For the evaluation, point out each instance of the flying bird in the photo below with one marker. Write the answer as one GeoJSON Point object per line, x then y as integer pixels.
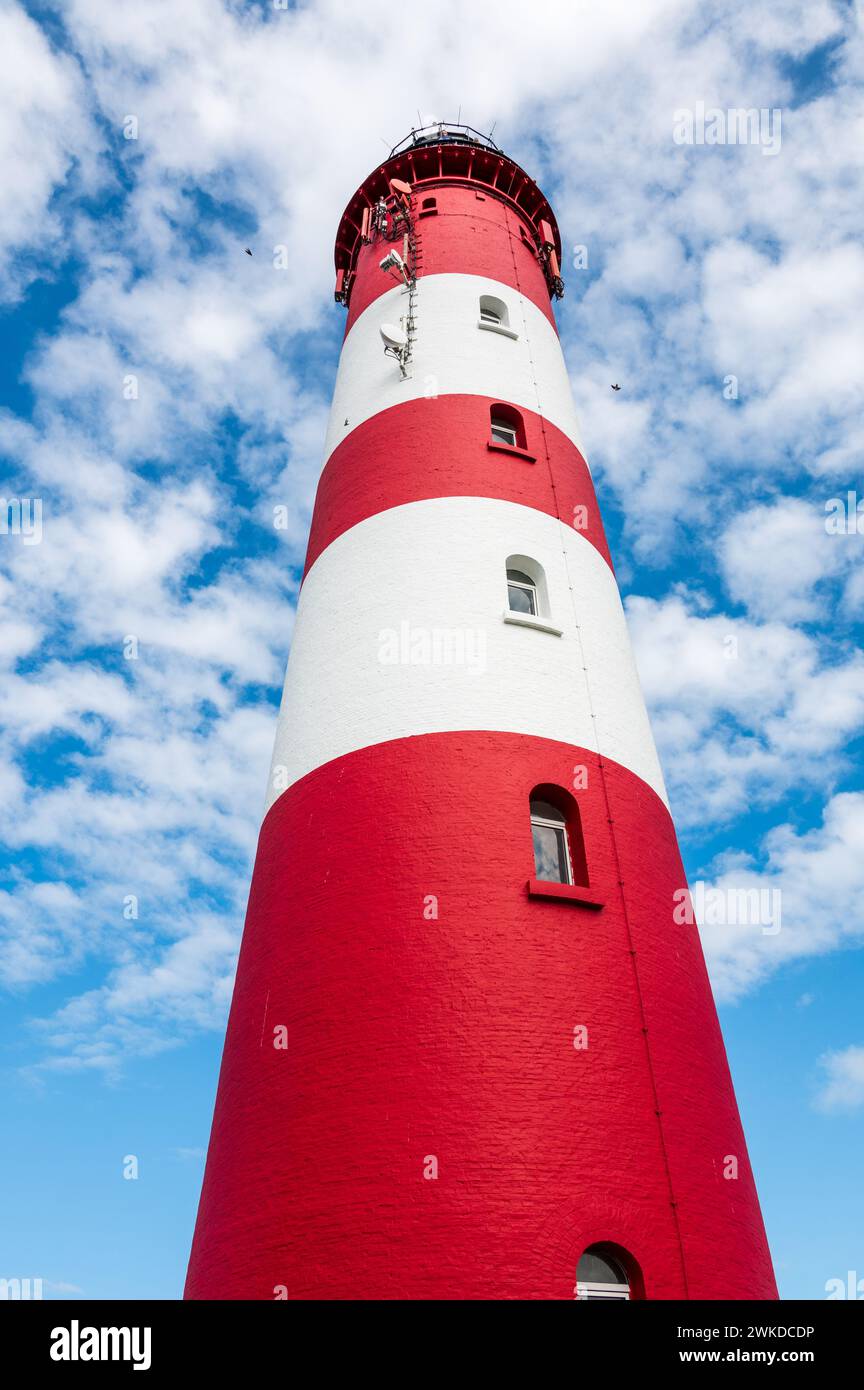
{"type": "Point", "coordinates": [616, 388]}
{"type": "Point", "coordinates": [248, 252]}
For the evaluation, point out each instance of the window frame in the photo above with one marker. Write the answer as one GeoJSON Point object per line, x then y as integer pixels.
{"type": "Point", "coordinates": [507, 419]}
{"type": "Point", "coordinates": [494, 315]}
{"type": "Point", "coordinates": [533, 572]}
{"type": "Point", "coordinates": [560, 826]}
{"type": "Point", "coordinates": [588, 1292]}
{"type": "Point", "coordinates": [630, 1288]}
{"type": "Point", "coordinates": [580, 889]}
{"type": "Point", "coordinates": [494, 310]}
{"type": "Point", "coordinates": [528, 586]}
{"type": "Point", "coordinates": [503, 428]}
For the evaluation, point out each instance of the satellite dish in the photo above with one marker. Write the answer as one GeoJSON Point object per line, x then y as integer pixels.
{"type": "Point", "coordinates": [393, 337]}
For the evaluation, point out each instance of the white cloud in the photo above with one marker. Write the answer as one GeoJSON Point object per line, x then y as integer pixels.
{"type": "Point", "coordinates": [47, 139]}
{"type": "Point", "coordinates": [820, 878]}
{"type": "Point", "coordinates": [776, 558]}
{"type": "Point", "coordinates": [742, 711]}
{"type": "Point", "coordinates": [789, 329]}
{"type": "Point", "coordinates": [40, 927]}
{"type": "Point", "coordinates": [843, 1085]}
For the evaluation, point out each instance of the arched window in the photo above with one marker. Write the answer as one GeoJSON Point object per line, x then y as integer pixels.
{"type": "Point", "coordinates": [551, 848]}
{"type": "Point", "coordinates": [602, 1274]}
{"type": "Point", "coordinates": [494, 311]}
{"type": "Point", "coordinates": [495, 316]}
{"type": "Point", "coordinates": [521, 593]}
{"type": "Point", "coordinates": [428, 207]}
{"type": "Point", "coordinates": [528, 595]}
{"type": "Point", "coordinates": [556, 832]}
{"type": "Point", "coordinates": [528, 592]}
{"type": "Point", "coordinates": [507, 426]}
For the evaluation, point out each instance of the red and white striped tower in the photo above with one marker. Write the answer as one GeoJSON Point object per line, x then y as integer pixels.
{"type": "Point", "coordinates": [460, 1055]}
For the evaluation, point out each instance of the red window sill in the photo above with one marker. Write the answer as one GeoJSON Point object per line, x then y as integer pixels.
{"type": "Point", "coordinates": [564, 892]}
{"type": "Point", "coordinates": [511, 449]}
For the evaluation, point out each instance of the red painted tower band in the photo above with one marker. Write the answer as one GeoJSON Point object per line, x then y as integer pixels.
{"type": "Point", "coordinates": [471, 1053]}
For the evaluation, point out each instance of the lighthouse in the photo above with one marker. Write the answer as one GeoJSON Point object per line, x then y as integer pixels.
{"type": "Point", "coordinates": [472, 1051]}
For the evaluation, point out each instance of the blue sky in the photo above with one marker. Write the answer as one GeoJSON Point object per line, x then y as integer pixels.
{"type": "Point", "coordinates": [162, 392]}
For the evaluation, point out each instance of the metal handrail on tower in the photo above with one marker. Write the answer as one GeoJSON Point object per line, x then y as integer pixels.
{"type": "Point", "coordinates": [444, 133]}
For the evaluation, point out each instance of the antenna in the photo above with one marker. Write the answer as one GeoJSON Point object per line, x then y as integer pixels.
{"type": "Point", "coordinates": [394, 262]}
{"type": "Point", "coordinates": [396, 344]}
{"type": "Point", "coordinates": [393, 337]}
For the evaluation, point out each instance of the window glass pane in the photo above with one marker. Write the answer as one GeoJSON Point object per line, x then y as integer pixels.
{"type": "Point", "coordinates": [503, 434]}
{"type": "Point", "coordinates": [550, 858]}
{"type": "Point", "coordinates": [492, 310]}
{"type": "Point", "coordinates": [599, 1269]}
{"type": "Point", "coordinates": [521, 600]}
{"type": "Point", "coordinates": [547, 811]}
{"type": "Point", "coordinates": [519, 577]}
